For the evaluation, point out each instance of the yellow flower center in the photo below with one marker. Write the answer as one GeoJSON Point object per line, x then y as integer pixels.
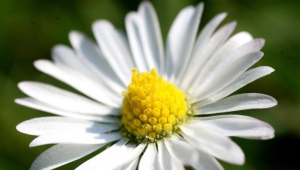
{"type": "Point", "coordinates": [152, 107]}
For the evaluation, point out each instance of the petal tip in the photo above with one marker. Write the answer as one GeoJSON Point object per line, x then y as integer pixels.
{"type": "Point", "coordinates": [41, 64]}
{"type": "Point", "coordinates": [101, 24]}
{"type": "Point", "coordinates": [19, 127]}
{"type": "Point", "coordinates": [222, 15]}
{"type": "Point", "coordinates": [56, 48]}
{"type": "Point", "coordinates": [23, 86]}
{"type": "Point", "coordinates": [269, 69]}
{"type": "Point", "coordinates": [273, 101]}
{"type": "Point", "coordinates": [75, 37]}
{"type": "Point", "coordinates": [130, 16]}
{"type": "Point", "coordinates": [144, 5]}
{"type": "Point", "coordinates": [200, 5]}
{"type": "Point", "coordinates": [34, 143]}
{"type": "Point", "coordinates": [16, 101]}
{"type": "Point", "coordinates": [262, 40]}
{"type": "Point", "coordinates": [271, 136]}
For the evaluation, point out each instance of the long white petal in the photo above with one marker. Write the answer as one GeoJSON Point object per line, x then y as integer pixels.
{"type": "Point", "coordinates": [35, 104]}
{"type": "Point", "coordinates": [75, 138]}
{"type": "Point", "coordinates": [244, 79]}
{"type": "Point", "coordinates": [66, 57]}
{"type": "Point", "coordinates": [236, 125]}
{"type": "Point", "coordinates": [145, 38]}
{"type": "Point", "coordinates": [239, 102]}
{"type": "Point", "coordinates": [113, 48]}
{"type": "Point", "coordinates": [45, 125]}
{"type": "Point", "coordinates": [181, 39]}
{"type": "Point", "coordinates": [165, 159]}
{"type": "Point", "coordinates": [213, 143]}
{"type": "Point", "coordinates": [93, 57]}
{"type": "Point", "coordinates": [62, 154]}
{"type": "Point", "coordinates": [136, 45]}
{"type": "Point", "coordinates": [149, 159]}
{"type": "Point", "coordinates": [208, 30]}
{"type": "Point", "coordinates": [203, 46]}
{"type": "Point", "coordinates": [63, 99]}
{"type": "Point", "coordinates": [83, 84]}
{"type": "Point", "coordinates": [226, 53]}
{"type": "Point", "coordinates": [220, 78]}
{"type": "Point", "coordinates": [107, 159]}
{"type": "Point", "coordinates": [237, 46]}
{"type": "Point", "coordinates": [189, 155]}
{"type": "Point", "coordinates": [202, 63]}
{"type": "Point", "coordinates": [151, 36]}
{"type": "Point", "coordinates": [254, 45]}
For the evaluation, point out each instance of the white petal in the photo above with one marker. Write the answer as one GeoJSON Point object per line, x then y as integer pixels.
{"type": "Point", "coordinates": [149, 159]}
{"type": "Point", "coordinates": [181, 39]}
{"type": "Point", "coordinates": [45, 125]}
{"type": "Point", "coordinates": [244, 79]}
{"type": "Point", "coordinates": [95, 90]}
{"type": "Point", "coordinates": [254, 45]}
{"type": "Point", "coordinates": [202, 62]}
{"type": "Point", "coordinates": [136, 45]}
{"type": "Point", "coordinates": [203, 46]}
{"type": "Point", "coordinates": [114, 157]}
{"type": "Point", "coordinates": [63, 99]}
{"type": "Point", "coordinates": [208, 30]}
{"type": "Point", "coordinates": [237, 46]}
{"type": "Point", "coordinates": [236, 125]}
{"type": "Point", "coordinates": [66, 57]}
{"type": "Point", "coordinates": [132, 165]}
{"type": "Point", "coordinates": [113, 48]}
{"type": "Point", "coordinates": [75, 138]}
{"type": "Point", "coordinates": [239, 102]}
{"type": "Point", "coordinates": [165, 159]}
{"type": "Point", "coordinates": [145, 38]}
{"type": "Point", "coordinates": [62, 154]}
{"type": "Point", "coordinates": [215, 144]}
{"type": "Point", "coordinates": [93, 57]}
{"type": "Point", "coordinates": [226, 53]}
{"type": "Point", "coordinates": [150, 36]}
{"type": "Point", "coordinates": [35, 104]}
{"type": "Point", "coordinates": [189, 155]}
{"type": "Point", "coordinates": [222, 77]}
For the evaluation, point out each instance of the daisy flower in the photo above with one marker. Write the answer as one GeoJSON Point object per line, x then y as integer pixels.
{"type": "Point", "coordinates": [146, 108]}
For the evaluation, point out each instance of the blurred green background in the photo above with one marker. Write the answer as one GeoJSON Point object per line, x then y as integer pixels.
{"type": "Point", "coordinates": [29, 29]}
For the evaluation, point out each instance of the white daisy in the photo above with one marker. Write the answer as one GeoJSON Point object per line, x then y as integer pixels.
{"type": "Point", "coordinates": [149, 109]}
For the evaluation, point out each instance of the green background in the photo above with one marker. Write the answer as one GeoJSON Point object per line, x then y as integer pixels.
{"type": "Point", "coordinates": [30, 28]}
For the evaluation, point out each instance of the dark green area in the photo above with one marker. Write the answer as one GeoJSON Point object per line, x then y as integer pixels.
{"type": "Point", "coordinates": [29, 29]}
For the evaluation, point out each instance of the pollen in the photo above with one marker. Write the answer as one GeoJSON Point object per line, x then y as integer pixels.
{"type": "Point", "coordinates": [152, 107]}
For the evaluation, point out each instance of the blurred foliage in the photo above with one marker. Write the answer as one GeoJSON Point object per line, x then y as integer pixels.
{"type": "Point", "coordinates": [29, 29]}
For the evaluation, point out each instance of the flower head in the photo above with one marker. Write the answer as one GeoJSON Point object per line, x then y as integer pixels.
{"type": "Point", "coordinates": [147, 108]}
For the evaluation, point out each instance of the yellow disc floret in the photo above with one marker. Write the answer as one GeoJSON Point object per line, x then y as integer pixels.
{"type": "Point", "coordinates": [152, 107]}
